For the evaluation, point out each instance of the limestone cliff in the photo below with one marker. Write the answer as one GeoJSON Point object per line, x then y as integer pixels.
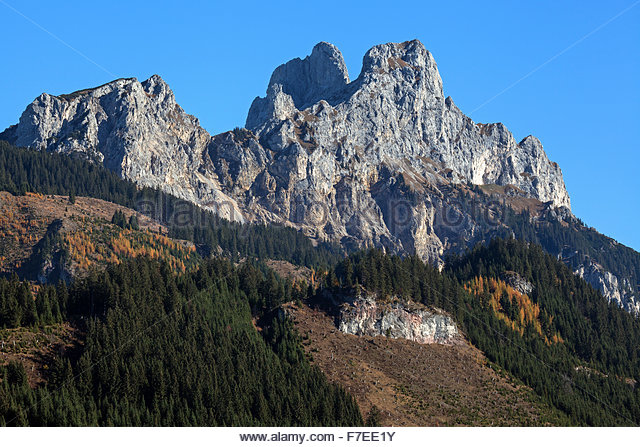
{"type": "Point", "coordinates": [370, 162]}
{"type": "Point", "coordinates": [617, 290]}
{"type": "Point", "coordinates": [363, 162]}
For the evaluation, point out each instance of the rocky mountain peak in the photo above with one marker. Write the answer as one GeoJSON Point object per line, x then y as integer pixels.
{"type": "Point", "coordinates": [158, 88]}
{"type": "Point", "coordinates": [133, 128]}
{"type": "Point", "coordinates": [95, 91]}
{"type": "Point", "coordinates": [72, 122]}
{"type": "Point", "coordinates": [409, 60]}
{"type": "Point", "coordinates": [315, 77]}
{"type": "Point", "coordinates": [300, 83]}
{"type": "Point", "coordinates": [394, 111]}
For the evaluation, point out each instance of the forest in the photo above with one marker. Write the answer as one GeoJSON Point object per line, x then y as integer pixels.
{"type": "Point", "coordinates": [184, 343]}
{"type": "Point", "coordinates": [163, 349]}
{"type": "Point", "coordinates": [576, 243]}
{"type": "Point", "coordinates": [209, 346]}
{"type": "Point", "coordinates": [591, 334]}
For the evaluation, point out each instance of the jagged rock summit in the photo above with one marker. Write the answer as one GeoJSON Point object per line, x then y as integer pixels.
{"type": "Point", "coordinates": [320, 75]}
{"type": "Point", "coordinates": [395, 112]}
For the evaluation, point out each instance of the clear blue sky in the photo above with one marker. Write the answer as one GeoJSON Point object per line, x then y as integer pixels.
{"type": "Point", "coordinates": [217, 56]}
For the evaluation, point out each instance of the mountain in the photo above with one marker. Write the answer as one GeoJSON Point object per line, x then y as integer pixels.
{"type": "Point", "coordinates": [384, 160]}
{"type": "Point", "coordinates": [475, 311]}
{"type": "Point", "coordinates": [133, 128]}
{"type": "Point", "coordinates": [317, 139]}
{"type": "Point", "coordinates": [47, 237]}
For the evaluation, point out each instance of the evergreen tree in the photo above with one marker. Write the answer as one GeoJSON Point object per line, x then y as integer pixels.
{"type": "Point", "coordinates": [133, 222]}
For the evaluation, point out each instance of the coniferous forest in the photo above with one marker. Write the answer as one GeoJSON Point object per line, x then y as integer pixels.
{"type": "Point", "coordinates": [162, 349]}
{"type": "Point", "coordinates": [23, 170]}
{"type": "Point", "coordinates": [211, 346]}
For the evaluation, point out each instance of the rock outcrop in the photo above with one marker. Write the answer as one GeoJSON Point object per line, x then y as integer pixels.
{"type": "Point", "coordinates": [411, 321]}
{"type": "Point", "coordinates": [617, 290]}
{"type": "Point", "coordinates": [321, 75]}
{"type": "Point", "coordinates": [517, 282]}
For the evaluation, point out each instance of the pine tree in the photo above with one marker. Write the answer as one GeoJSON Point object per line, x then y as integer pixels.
{"type": "Point", "coordinates": [133, 222]}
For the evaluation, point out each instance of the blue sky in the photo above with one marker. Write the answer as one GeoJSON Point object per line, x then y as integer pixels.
{"type": "Point", "coordinates": [580, 97]}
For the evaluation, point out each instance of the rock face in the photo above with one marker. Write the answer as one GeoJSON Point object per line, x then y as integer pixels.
{"type": "Point", "coordinates": [305, 82]}
{"type": "Point", "coordinates": [517, 282]}
{"type": "Point", "coordinates": [365, 316]}
{"type": "Point", "coordinates": [615, 289]}
{"type": "Point", "coordinates": [395, 111]}
{"type": "Point", "coordinates": [364, 162]}
{"type": "Point", "coordinates": [134, 128]}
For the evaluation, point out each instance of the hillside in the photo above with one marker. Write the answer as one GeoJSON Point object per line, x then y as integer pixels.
{"type": "Point", "coordinates": [539, 346]}
{"type": "Point", "coordinates": [414, 384]}
{"type": "Point", "coordinates": [47, 238]}
{"type": "Point", "coordinates": [186, 353]}
{"type": "Point", "coordinates": [23, 171]}
{"type": "Point", "coordinates": [548, 328]}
